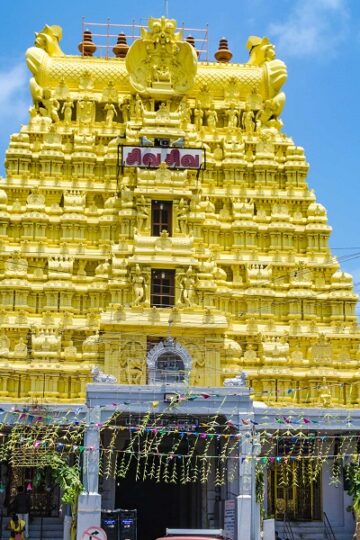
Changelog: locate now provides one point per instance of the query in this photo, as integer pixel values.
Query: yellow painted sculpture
(238, 271)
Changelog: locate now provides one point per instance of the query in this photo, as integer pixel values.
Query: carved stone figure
(134, 371)
(239, 380)
(46, 343)
(49, 106)
(125, 110)
(4, 344)
(103, 269)
(212, 117)
(90, 345)
(161, 59)
(85, 112)
(181, 217)
(35, 198)
(248, 119)
(262, 51)
(101, 377)
(139, 287)
(111, 112)
(185, 113)
(138, 109)
(16, 265)
(187, 288)
(66, 109)
(268, 116)
(232, 117)
(142, 214)
(198, 116)
(20, 349)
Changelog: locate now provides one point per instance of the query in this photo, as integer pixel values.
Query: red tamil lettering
(133, 157)
(173, 158)
(190, 162)
(151, 160)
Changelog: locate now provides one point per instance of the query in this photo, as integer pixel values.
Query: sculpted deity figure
(232, 116)
(163, 113)
(182, 217)
(139, 287)
(49, 106)
(212, 117)
(268, 116)
(209, 206)
(138, 108)
(134, 371)
(248, 119)
(85, 111)
(187, 288)
(66, 109)
(110, 113)
(20, 349)
(4, 344)
(35, 198)
(142, 214)
(161, 59)
(198, 116)
(125, 107)
(185, 113)
(110, 93)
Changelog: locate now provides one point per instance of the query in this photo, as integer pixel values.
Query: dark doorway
(159, 505)
(161, 217)
(39, 484)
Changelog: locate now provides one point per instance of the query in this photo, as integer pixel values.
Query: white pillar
(248, 512)
(89, 503)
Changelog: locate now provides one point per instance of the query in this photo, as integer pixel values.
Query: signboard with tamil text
(151, 157)
(229, 519)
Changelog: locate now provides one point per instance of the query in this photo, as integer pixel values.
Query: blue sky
(318, 39)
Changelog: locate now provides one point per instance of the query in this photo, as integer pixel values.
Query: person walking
(21, 507)
(16, 527)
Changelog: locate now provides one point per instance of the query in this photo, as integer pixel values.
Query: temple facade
(157, 229)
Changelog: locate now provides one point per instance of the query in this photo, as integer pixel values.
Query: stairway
(311, 530)
(52, 529)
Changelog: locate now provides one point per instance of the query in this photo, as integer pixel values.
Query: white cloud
(313, 27)
(14, 94)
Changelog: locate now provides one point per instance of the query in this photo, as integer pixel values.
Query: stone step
(311, 531)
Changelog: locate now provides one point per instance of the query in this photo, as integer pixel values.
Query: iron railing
(289, 533)
(328, 530)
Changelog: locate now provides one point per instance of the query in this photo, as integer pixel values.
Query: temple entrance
(44, 494)
(159, 505)
(291, 494)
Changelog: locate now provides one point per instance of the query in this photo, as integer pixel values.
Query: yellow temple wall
(256, 288)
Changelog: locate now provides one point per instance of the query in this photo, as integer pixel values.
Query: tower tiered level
(153, 200)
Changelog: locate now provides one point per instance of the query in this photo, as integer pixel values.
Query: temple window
(168, 362)
(161, 217)
(169, 368)
(162, 288)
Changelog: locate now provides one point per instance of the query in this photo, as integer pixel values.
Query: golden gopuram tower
(152, 203)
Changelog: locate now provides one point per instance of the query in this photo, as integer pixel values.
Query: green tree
(352, 475)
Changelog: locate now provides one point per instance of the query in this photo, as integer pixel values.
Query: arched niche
(168, 362)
